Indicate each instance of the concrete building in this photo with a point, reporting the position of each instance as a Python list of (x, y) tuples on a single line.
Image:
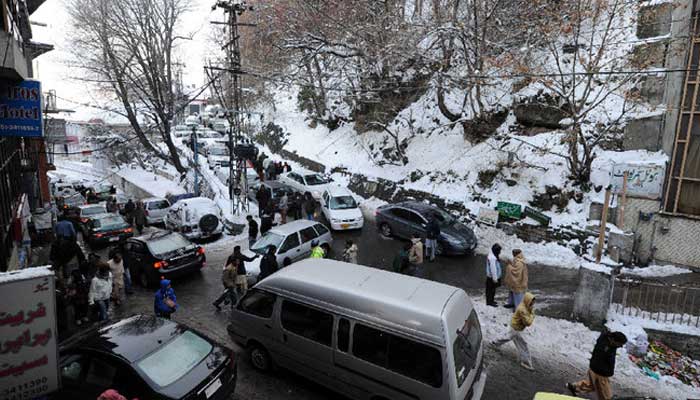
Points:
[(667, 224), (23, 162)]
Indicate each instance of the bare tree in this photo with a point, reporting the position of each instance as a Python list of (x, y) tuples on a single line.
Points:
[(126, 48)]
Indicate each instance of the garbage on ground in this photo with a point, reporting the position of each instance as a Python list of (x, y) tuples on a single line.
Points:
[(639, 345), (660, 360)]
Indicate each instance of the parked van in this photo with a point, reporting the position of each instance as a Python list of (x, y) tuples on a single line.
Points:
[(367, 333)]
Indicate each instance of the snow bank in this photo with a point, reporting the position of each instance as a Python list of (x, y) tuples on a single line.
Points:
[(656, 271), (27, 273)]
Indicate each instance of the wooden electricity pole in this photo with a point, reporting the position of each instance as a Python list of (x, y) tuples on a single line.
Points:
[(603, 221)]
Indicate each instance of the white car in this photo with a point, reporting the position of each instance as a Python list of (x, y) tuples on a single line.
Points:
[(196, 218), (218, 156), (340, 209), (293, 242), (304, 182), (155, 208)]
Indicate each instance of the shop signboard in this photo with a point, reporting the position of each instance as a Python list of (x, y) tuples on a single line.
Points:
[(20, 109)]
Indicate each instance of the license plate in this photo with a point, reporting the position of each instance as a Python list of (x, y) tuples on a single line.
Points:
[(344, 226), (212, 388), (114, 239)]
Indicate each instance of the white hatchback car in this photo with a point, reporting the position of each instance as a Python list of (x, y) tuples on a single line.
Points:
[(155, 208), (340, 209)]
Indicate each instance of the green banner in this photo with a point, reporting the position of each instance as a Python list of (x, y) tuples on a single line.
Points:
[(509, 210)]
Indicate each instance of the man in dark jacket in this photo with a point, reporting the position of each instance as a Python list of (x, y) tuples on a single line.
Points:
[(263, 198), (65, 256), (266, 222), (268, 264), (129, 208), (432, 236), (601, 367), (252, 230)]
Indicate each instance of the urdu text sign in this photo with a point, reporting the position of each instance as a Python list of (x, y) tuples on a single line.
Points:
[(20, 109)]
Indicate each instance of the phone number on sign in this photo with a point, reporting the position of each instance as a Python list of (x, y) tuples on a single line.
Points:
[(26, 390)]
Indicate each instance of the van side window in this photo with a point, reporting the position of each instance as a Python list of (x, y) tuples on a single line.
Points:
[(404, 356), (343, 335), (308, 234), (307, 322), (258, 303)]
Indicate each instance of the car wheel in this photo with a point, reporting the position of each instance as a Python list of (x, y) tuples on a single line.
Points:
[(385, 229), (260, 358)]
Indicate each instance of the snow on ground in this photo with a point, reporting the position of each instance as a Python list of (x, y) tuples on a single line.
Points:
[(571, 343)]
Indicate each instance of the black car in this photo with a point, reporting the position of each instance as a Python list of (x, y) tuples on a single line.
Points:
[(162, 254), (104, 229), (410, 218), (145, 357)]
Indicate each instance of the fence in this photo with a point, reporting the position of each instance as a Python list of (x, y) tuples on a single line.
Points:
[(657, 302)]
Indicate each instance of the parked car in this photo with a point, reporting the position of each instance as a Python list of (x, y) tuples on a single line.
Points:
[(218, 156), (104, 229), (155, 209), (145, 357), (162, 254), (340, 209), (82, 215), (410, 217), (196, 218), (306, 182), (293, 242), (364, 332), (275, 188), (69, 204)]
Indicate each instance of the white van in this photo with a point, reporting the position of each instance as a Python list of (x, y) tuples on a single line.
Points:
[(367, 333)]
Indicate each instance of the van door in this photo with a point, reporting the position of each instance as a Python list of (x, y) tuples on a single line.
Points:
[(306, 337), (252, 318)]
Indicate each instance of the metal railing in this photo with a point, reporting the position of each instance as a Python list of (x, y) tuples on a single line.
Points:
[(663, 303)]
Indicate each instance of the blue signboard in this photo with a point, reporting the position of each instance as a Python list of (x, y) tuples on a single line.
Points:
[(20, 109)]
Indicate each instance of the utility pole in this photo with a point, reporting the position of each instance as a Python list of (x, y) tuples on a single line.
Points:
[(238, 181), (196, 161)]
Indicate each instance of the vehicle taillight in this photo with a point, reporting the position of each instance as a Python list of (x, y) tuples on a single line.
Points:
[(128, 230), (98, 235), (160, 264), (200, 251), (84, 220)]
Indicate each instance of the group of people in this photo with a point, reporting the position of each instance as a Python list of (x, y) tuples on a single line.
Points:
[(515, 277), (268, 169), (135, 214)]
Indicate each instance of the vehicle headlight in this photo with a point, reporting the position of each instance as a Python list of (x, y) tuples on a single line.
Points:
[(335, 220)]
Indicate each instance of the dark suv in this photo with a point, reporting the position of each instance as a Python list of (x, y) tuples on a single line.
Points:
[(162, 254)]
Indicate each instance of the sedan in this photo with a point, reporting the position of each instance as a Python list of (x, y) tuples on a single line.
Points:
[(411, 218), (104, 229), (145, 357), (81, 215), (162, 254), (306, 182)]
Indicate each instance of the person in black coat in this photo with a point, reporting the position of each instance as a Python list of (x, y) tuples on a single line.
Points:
[(431, 238), (129, 209), (601, 367), (268, 264), (266, 222), (263, 198), (252, 230)]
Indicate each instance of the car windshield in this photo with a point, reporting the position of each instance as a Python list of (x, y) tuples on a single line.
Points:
[(342, 203), (218, 151), (466, 347), (269, 239), (167, 244), (443, 218), (112, 222), (314, 179), (93, 210), (172, 361)]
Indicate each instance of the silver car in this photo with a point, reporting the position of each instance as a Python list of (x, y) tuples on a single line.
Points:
[(155, 208)]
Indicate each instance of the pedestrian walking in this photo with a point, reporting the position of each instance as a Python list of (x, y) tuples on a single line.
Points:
[(602, 366), (309, 206), (119, 249), (101, 291), (268, 264), (65, 256), (78, 294), (252, 230), (286, 167), (263, 198), (228, 278), (279, 169), (516, 279), (350, 252), (283, 207), (266, 222), (65, 229), (241, 272), (271, 171), (493, 274), (116, 267), (523, 317), (415, 256), (129, 209), (316, 250), (140, 217), (165, 302), (401, 264), (431, 239)]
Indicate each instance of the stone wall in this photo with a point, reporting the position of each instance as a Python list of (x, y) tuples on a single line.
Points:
[(592, 297)]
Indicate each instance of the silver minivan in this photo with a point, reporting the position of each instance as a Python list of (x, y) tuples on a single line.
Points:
[(367, 333)]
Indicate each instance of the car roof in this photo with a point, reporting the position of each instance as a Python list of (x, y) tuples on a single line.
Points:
[(398, 302), (293, 226), (414, 205), (335, 190), (275, 184), (105, 215), (197, 201), (156, 234), (153, 199), (84, 206), (131, 338)]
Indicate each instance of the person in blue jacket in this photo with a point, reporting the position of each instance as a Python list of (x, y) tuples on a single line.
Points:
[(165, 300)]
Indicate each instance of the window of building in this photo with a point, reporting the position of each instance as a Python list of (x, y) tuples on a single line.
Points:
[(683, 184)]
